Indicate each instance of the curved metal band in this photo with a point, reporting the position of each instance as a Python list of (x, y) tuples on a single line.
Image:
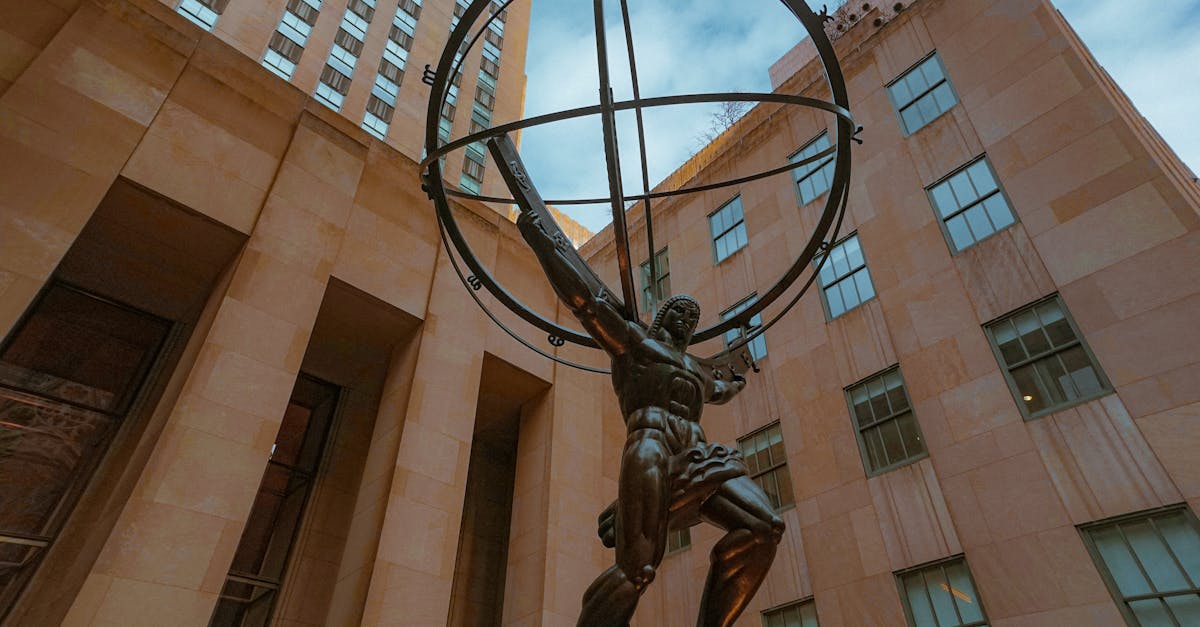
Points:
[(834, 205)]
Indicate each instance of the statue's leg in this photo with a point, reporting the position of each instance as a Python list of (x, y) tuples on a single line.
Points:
[(742, 558), (641, 532)]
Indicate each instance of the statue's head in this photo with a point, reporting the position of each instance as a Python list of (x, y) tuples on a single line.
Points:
[(677, 317)]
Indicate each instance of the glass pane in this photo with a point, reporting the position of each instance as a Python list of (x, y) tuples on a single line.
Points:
[(1031, 333), (1152, 553), (959, 234), (762, 448), (998, 211), (775, 619), (879, 401), (1184, 541), (862, 281), (1081, 372), (785, 486), (964, 593), (1186, 608), (895, 391), (874, 445), (928, 107), (1005, 335), (854, 254), (833, 296), (916, 82), (860, 403), (943, 199), (932, 70), (850, 294), (808, 190), (748, 453), (944, 97), (901, 93), (1121, 566), (1031, 393), (977, 219), (912, 118), (981, 177), (837, 258), (827, 275), (960, 184), (918, 601), (1054, 379), (892, 442), (741, 235), (43, 446), (910, 433), (775, 437), (1055, 322), (942, 596), (771, 487), (808, 615), (722, 249), (1152, 613)]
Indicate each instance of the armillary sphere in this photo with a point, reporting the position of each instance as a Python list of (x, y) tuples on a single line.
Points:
[(464, 37)]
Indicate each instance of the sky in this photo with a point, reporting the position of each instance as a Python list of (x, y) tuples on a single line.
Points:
[(1151, 49)]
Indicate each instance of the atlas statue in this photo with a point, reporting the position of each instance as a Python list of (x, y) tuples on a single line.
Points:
[(671, 477)]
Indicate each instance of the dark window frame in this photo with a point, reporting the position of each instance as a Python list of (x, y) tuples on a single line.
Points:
[(813, 168), (899, 575), (809, 600), (1106, 386), (678, 541), (741, 333), (954, 249), (791, 502), (898, 109), (1110, 582), (652, 295), (877, 422), (717, 260), (829, 317)]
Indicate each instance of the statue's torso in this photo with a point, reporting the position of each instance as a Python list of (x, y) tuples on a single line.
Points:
[(654, 374)]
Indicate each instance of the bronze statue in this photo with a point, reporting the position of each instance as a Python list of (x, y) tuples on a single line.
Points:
[(671, 477)]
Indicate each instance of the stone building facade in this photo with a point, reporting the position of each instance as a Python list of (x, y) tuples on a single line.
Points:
[(242, 384)]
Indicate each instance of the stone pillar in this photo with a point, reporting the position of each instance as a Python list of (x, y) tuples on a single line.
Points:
[(168, 555)]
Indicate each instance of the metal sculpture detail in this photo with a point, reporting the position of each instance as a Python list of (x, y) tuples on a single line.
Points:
[(671, 477)]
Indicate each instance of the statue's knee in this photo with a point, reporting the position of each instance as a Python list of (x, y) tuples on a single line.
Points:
[(768, 531), (639, 577)]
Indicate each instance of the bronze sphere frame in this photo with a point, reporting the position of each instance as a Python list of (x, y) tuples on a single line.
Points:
[(823, 235)]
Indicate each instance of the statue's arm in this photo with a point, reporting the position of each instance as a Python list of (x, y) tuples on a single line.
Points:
[(577, 287)]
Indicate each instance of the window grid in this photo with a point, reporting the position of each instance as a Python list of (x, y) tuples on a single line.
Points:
[(941, 594), (813, 179), (766, 461), (654, 294), (1046, 363), (1151, 564), (728, 228), (921, 94), (758, 345), (845, 280), (971, 205), (343, 56), (203, 13), (889, 435), (798, 614)]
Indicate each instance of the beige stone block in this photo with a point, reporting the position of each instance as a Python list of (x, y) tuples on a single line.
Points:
[(1041, 88), (415, 536), (1173, 436), (1128, 224), (16, 294), (132, 603), (162, 544), (913, 516), (31, 248), (196, 412), (258, 335), (1158, 341), (230, 474), (108, 84), (88, 601), (238, 381), (978, 406), (278, 289), (1017, 497)]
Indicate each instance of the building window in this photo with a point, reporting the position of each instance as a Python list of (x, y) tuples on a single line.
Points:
[(888, 433), (941, 594), (333, 87), (282, 55), (845, 280), (798, 614), (678, 540), (1047, 364), (1151, 563), (767, 463), (921, 94), (203, 13), (971, 205), (654, 294), (815, 178), (69, 374), (261, 558), (758, 345), (728, 228)]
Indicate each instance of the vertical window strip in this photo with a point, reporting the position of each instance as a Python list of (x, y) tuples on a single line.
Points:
[(203, 13), (845, 280), (766, 460), (343, 56), (381, 104), (653, 294)]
